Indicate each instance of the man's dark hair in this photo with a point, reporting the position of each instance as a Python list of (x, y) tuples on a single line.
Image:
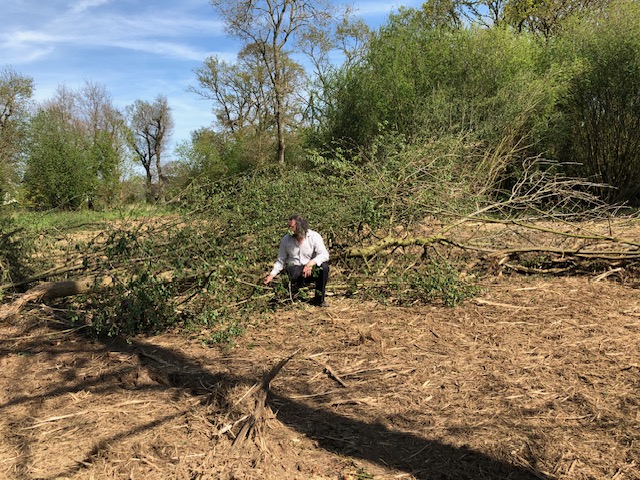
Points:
[(302, 226)]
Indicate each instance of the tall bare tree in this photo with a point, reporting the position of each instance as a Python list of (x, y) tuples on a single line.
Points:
[(150, 127), (240, 91), (275, 29)]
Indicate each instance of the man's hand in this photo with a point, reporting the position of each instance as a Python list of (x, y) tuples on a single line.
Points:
[(268, 280), (308, 269)]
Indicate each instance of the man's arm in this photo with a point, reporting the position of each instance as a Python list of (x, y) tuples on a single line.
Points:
[(278, 266), (321, 254)]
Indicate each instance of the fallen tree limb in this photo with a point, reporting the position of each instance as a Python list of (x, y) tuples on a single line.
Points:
[(51, 290), (392, 242), (607, 274), (66, 288), (41, 276)]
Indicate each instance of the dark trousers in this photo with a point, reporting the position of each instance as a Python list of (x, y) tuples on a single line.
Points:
[(319, 275)]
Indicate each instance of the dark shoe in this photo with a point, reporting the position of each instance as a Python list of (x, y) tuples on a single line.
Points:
[(320, 303)]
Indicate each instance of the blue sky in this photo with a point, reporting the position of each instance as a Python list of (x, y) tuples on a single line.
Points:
[(136, 49)]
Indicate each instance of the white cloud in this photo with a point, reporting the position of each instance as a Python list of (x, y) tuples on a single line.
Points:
[(80, 28), (83, 5), (165, 49), (25, 54)]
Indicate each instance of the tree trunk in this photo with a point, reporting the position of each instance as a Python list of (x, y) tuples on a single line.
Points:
[(148, 187)]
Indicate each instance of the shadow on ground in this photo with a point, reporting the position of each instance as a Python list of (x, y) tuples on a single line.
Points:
[(421, 457)]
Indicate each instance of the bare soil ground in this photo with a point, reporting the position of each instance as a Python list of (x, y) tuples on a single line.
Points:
[(538, 378)]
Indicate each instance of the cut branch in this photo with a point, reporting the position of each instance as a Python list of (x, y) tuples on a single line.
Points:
[(50, 290), (392, 242), (67, 288), (261, 389)]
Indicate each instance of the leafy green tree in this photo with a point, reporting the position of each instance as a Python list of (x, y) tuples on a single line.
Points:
[(245, 103), (349, 39), (240, 91), (106, 161), (93, 125), (15, 93), (421, 81), (436, 13), (210, 155), (540, 17), (104, 125), (488, 13), (599, 116), (58, 170)]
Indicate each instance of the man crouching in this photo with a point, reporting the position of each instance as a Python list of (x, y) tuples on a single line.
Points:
[(302, 249)]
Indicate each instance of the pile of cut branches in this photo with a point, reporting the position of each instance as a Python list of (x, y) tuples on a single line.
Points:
[(202, 269), (546, 224)]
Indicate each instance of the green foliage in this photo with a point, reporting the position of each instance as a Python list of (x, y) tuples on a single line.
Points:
[(73, 153), (411, 282), (58, 165), (439, 281), (142, 305), (105, 165), (142, 299), (219, 328), (599, 114), (15, 93), (15, 250), (40, 223), (547, 18), (212, 156), (423, 82), (427, 78), (344, 202), (258, 203)]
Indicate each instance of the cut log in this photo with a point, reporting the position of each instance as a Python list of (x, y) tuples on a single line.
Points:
[(50, 290), (68, 288)]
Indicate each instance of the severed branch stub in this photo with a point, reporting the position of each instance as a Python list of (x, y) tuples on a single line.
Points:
[(260, 389)]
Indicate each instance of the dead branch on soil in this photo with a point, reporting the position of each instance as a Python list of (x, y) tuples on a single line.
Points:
[(335, 376), (261, 389), (544, 214), (114, 408)]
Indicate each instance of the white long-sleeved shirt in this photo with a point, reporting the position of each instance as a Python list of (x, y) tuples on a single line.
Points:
[(292, 253)]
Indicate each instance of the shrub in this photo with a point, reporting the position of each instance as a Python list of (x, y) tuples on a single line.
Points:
[(423, 82), (15, 251), (600, 112)]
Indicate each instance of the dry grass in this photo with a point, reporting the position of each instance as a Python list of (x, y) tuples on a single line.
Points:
[(538, 378)]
